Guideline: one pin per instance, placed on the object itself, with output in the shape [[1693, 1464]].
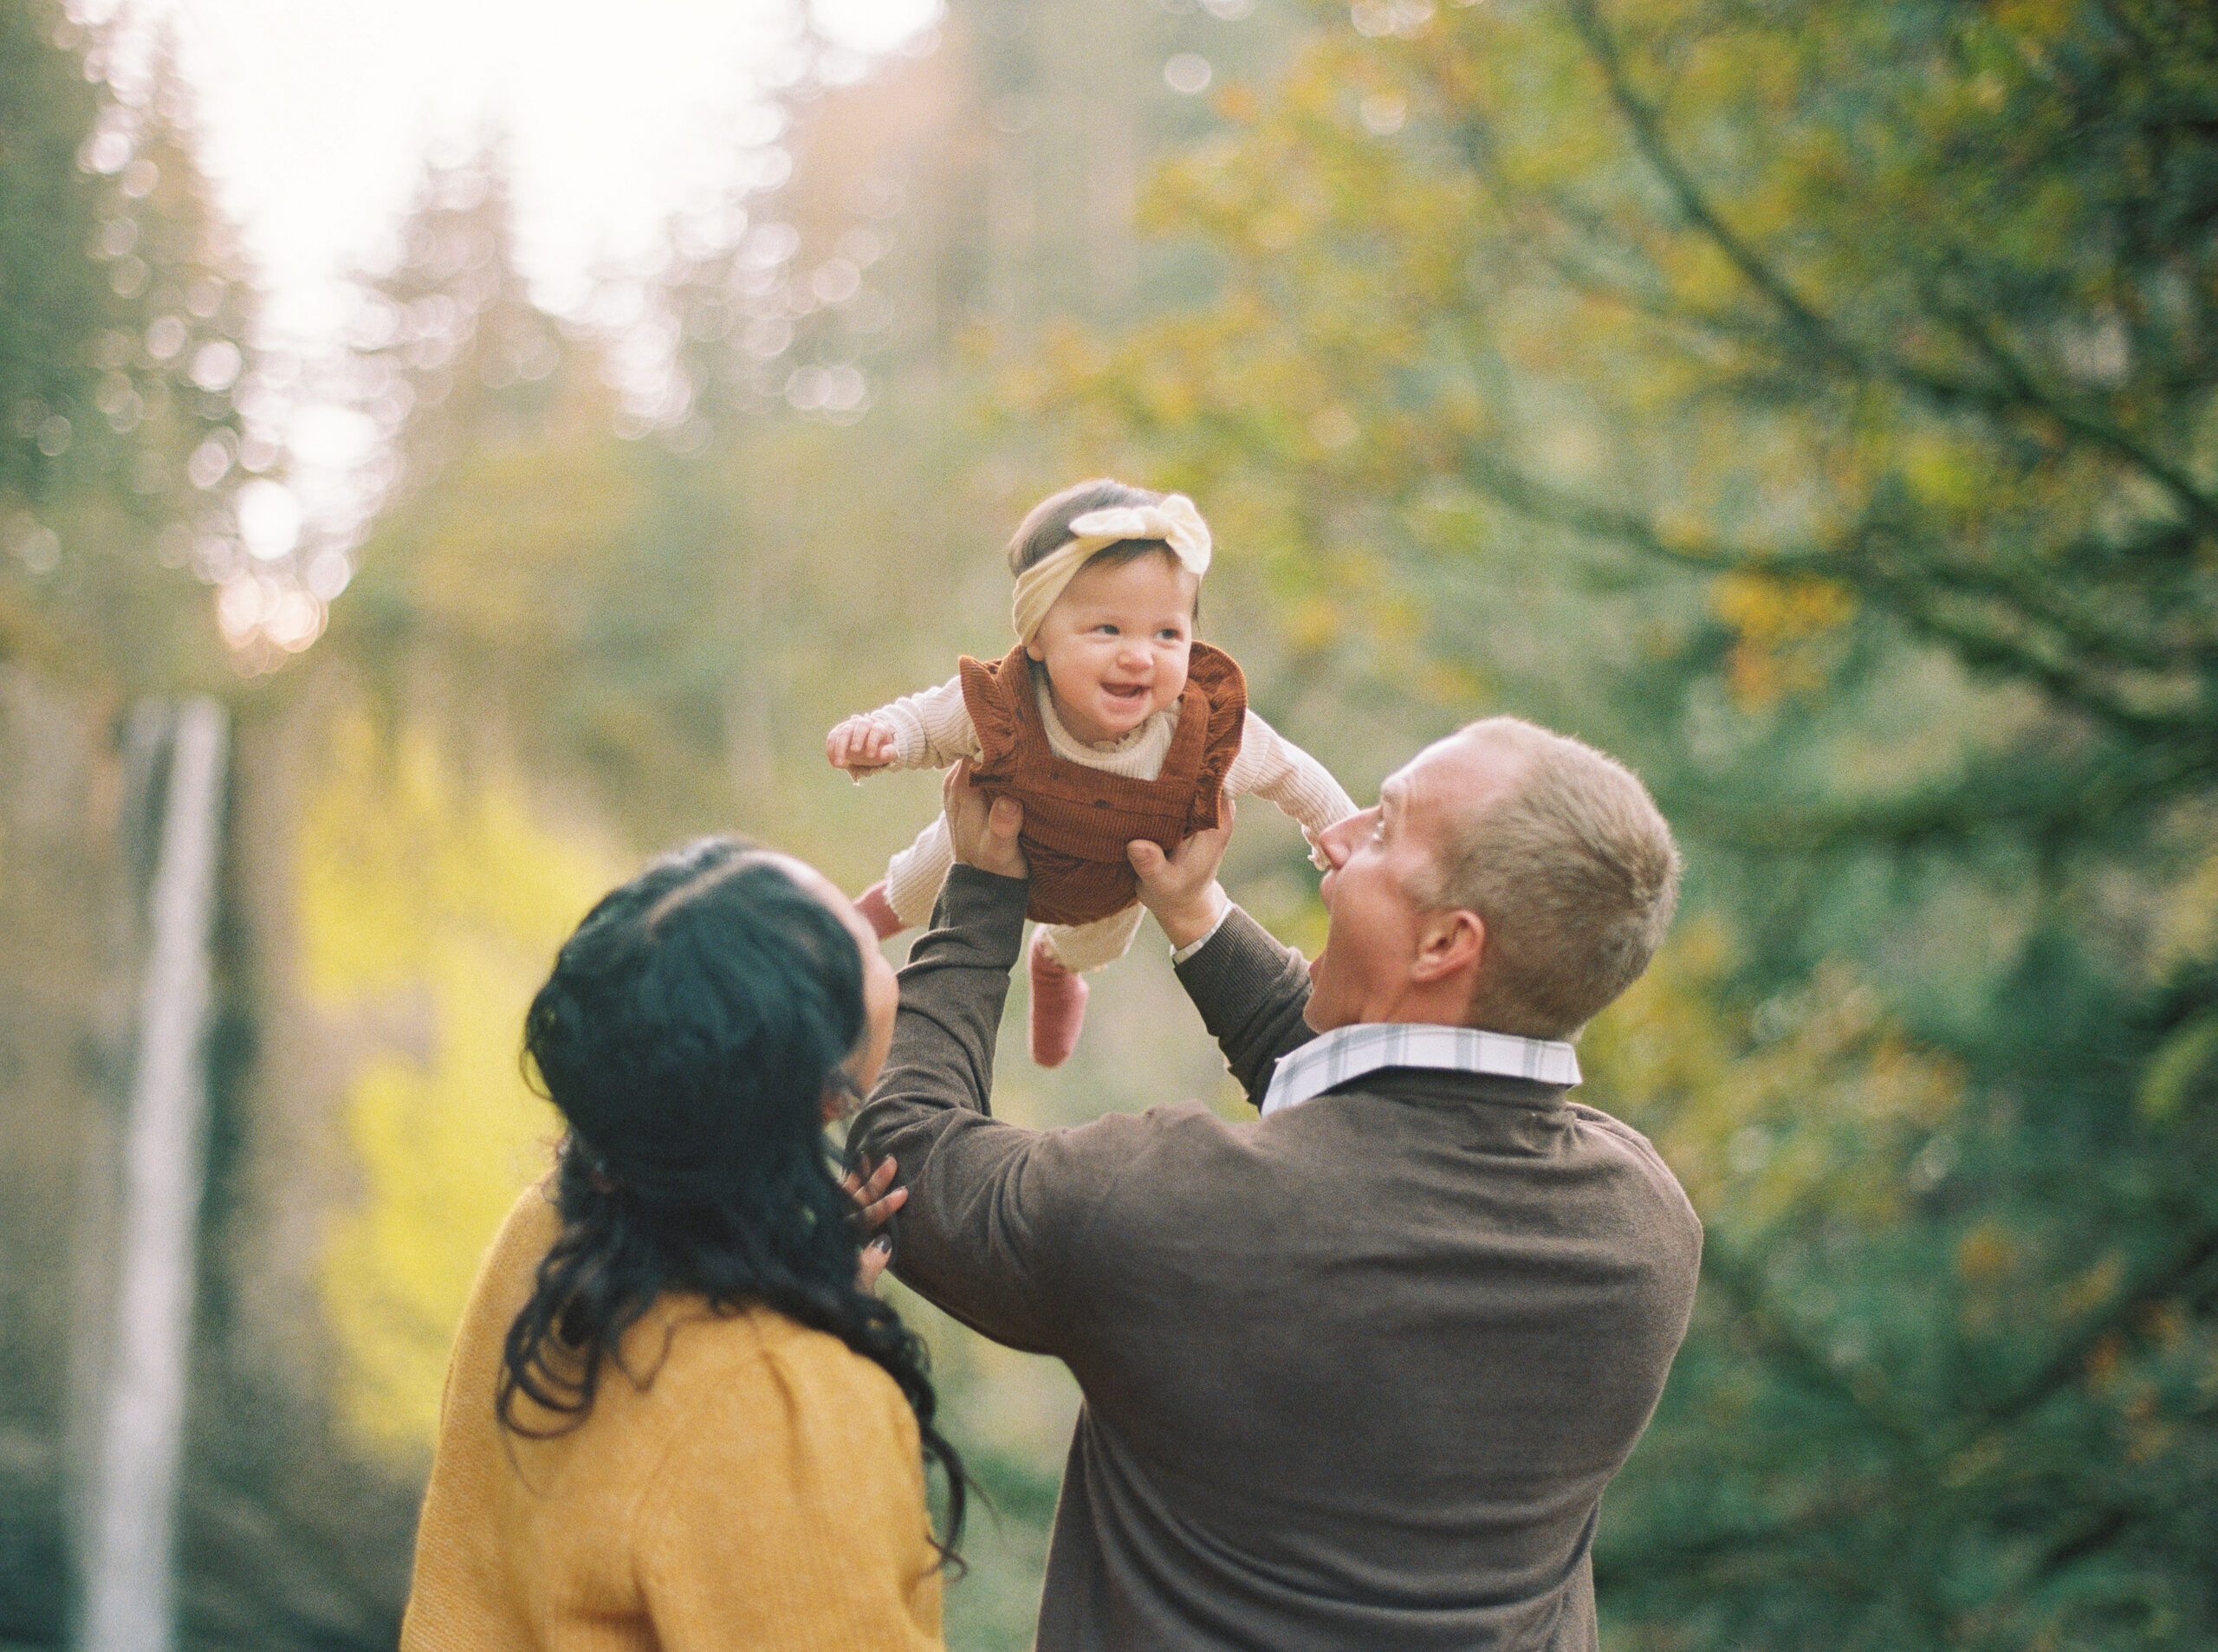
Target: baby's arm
[[928, 729], [1275, 768]]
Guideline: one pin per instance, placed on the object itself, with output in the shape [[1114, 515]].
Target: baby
[[1107, 721]]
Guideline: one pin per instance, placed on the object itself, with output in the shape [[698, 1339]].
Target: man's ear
[[1447, 944]]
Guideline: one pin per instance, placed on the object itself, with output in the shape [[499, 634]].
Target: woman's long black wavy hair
[[689, 1034]]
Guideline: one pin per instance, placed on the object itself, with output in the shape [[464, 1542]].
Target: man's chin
[[1318, 1012]]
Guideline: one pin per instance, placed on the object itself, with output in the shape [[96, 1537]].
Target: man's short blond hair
[[1572, 871]]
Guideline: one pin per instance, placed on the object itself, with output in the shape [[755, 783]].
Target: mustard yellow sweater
[[759, 1486]]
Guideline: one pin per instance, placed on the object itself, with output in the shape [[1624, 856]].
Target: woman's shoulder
[[753, 1357], [742, 1401], [532, 1225], [786, 1480], [506, 1272]]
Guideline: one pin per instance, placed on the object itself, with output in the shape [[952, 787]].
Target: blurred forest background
[[1812, 403]]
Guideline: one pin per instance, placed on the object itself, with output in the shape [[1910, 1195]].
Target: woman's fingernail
[[882, 1242]]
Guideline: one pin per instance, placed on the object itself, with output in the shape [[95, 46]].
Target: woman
[[675, 1416]]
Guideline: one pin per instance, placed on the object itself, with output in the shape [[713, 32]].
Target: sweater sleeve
[[1273, 766], [995, 1211], [789, 1513], [931, 728], [1251, 991]]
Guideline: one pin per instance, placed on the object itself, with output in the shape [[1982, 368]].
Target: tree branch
[[2069, 1362], [1906, 591], [1821, 339], [2020, 795], [1786, 1346], [1975, 331]]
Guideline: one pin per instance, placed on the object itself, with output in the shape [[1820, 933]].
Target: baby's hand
[[861, 745]]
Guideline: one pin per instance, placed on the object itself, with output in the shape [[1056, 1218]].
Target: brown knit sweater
[[1355, 1374], [758, 1487]]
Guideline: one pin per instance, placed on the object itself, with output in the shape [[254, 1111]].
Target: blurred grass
[[994, 1605]]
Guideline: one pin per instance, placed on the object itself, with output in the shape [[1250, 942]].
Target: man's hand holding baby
[[1181, 888], [983, 831], [861, 745]]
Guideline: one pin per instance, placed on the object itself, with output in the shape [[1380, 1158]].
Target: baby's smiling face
[[1116, 644]]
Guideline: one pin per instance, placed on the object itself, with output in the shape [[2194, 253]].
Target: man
[[1356, 1372]]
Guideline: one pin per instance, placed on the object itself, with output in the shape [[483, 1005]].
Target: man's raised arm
[[1250, 989], [993, 1210]]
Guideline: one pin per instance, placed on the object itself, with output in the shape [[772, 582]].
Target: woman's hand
[[861, 745], [876, 1199], [1181, 888], [984, 835]]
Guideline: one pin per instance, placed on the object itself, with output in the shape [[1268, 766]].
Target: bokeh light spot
[[874, 25], [1383, 114], [269, 519], [216, 365], [1187, 73]]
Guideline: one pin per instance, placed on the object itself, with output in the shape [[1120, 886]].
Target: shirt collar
[[1332, 1058]]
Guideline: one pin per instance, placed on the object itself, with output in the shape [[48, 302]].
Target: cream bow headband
[[1175, 522]]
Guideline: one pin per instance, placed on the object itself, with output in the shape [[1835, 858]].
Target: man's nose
[[1333, 841]]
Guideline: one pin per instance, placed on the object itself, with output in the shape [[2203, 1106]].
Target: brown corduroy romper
[[1077, 821]]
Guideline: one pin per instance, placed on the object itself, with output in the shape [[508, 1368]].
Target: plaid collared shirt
[[1332, 1058]]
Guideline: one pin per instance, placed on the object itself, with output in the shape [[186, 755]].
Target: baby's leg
[[913, 877], [1059, 952], [1083, 947]]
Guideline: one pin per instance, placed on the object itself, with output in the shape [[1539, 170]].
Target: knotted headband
[[1175, 522]]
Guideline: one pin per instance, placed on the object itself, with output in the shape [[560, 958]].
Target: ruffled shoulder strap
[[994, 695], [1217, 675]]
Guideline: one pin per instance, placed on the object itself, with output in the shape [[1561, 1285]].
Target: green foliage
[[1815, 404], [114, 276], [428, 912], [1812, 403], [54, 306]]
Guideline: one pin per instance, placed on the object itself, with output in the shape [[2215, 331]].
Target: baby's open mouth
[[1124, 690]]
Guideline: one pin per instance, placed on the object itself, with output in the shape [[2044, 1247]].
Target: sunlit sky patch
[[316, 115], [314, 120]]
